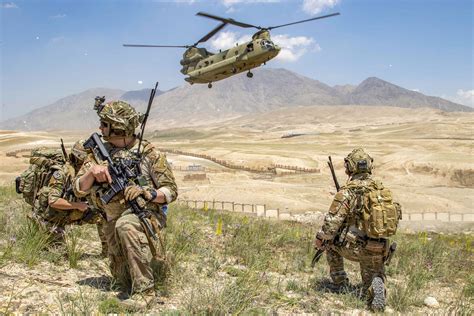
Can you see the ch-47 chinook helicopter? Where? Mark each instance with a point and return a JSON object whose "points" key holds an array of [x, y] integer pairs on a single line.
{"points": [[203, 66]]}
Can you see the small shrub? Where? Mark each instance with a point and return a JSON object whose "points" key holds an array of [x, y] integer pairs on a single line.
{"points": [[32, 241], [74, 248], [111, 306]]}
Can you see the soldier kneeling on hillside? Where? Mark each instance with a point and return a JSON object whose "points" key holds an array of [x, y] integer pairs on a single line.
{"points": [[47, 186], [360, 219]]}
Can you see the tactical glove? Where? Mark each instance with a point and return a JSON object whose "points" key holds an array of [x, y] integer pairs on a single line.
{"points": [[134, 191]]}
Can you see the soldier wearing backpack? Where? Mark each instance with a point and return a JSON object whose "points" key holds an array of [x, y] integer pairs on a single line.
{"points": [[360, 220], [47, 186]]}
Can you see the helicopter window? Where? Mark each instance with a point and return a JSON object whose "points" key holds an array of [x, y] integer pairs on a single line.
{"points": [[250, 47], [266, 44]]}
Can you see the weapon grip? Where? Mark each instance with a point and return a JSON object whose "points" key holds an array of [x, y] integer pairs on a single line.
{"points": [[141, 216], [105, 198]]}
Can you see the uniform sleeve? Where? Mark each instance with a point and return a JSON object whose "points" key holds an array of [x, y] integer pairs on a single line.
{"points": [[338, 211], [88, 163], [56, 186], [162, 176]]}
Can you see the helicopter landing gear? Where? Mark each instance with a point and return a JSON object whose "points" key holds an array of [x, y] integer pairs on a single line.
{"points": [[209, 85], [249, 74]]}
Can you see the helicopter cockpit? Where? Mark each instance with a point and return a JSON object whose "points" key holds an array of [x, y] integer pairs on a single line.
{"points": [[267, 44]]}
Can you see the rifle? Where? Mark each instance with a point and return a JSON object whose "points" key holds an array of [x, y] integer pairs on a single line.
{"points": [[66, 157], [318, 255], [147, 113], [331, 167], [320, 252], [123, 173]]}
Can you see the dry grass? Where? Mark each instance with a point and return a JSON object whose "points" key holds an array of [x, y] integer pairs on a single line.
{"points": [[251, 266]]}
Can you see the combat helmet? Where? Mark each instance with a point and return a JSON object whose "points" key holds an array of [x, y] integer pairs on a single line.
{"points": [[78, 153], [358, 161], [122, 118]]}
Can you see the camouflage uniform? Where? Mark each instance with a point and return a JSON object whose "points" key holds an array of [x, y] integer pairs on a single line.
{"points": [[52, 219], [59, 186], [352, 243], [131, 252], [344, 232]]}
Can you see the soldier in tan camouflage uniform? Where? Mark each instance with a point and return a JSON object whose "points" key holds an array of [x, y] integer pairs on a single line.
{"points": [[131, 251], [343, 234], [54, 209]]}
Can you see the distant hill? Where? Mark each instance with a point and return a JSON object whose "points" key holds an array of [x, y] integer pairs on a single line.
{"points": [[374, 91], [268, 90], [139, 98]]}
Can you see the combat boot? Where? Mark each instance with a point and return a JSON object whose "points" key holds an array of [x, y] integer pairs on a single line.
{"points": [[377, 294]]}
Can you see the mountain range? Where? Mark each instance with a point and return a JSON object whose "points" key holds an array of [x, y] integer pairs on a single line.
{"points": [[268, 90]]}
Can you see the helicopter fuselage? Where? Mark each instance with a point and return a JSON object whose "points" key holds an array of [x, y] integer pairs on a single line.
{"points": [[227, 63]]}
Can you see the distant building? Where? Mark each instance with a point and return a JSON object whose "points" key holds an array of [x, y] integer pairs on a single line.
{"points": [[194, 167]]}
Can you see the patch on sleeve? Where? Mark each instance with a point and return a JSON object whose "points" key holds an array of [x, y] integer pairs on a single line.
{"points": [[337, 203], [161, 162], [57, 175]]}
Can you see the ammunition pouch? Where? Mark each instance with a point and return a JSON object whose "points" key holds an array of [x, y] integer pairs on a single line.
{"points": [[376, 245]]}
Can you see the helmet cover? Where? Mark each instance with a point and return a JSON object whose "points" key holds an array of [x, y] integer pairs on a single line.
{"points": [[358, 161]]}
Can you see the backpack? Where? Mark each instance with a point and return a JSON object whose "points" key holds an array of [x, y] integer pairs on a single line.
{"points": [[379, 214], [43, 163]]}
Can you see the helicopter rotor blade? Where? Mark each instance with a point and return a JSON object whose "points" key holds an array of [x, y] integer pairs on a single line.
{"points": [[225, 20], [316, 18], [138, 45], [211, 33]]}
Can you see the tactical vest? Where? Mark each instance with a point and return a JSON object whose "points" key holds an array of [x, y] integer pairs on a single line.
{"points": [[116, 206]]}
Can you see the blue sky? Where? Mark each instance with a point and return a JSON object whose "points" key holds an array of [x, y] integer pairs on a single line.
{"points": [[50, 49]]}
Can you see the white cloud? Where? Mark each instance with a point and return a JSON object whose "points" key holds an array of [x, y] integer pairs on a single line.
{"points": [[461, 97], [58, 16], [293, 48], [140, 82], [9, 5], [226, 40], [415, 90], [314, 7]]}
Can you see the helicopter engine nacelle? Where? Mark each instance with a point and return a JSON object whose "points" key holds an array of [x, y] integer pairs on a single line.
{"points": [[262, 34]]}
